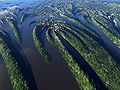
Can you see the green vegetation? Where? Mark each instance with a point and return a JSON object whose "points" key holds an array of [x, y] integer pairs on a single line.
{"points": [[117, 19], [1, 26], [12, 66], [2, 32], [84, 19], [108, 33], [11, 12], [59, 17], [79, 75], [15, 29], [18, 10], [96, 56], [77, 22], [31, 23], [1, 20], [24, 15], [43, 52], [102, 15]]}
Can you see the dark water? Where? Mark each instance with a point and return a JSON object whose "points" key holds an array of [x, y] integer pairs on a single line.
{"points": [[106, 40], [108, 44], [56, 76], [5, 83], [83, 65]]}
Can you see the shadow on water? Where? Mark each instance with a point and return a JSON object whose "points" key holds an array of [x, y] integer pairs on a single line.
{"points": [[104, 41], [113, 24], [108, 29], [24, 15], [56, 76], [50, 34], [66, 78], [18, 31], [24, 67], [107, 44], [5, 83], [93, 77], [64, 32], [77, 38], [40, 34], [50, 77], [100, 42]]}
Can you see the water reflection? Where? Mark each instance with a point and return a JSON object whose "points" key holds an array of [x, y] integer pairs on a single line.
{"points": [[47, 77]]}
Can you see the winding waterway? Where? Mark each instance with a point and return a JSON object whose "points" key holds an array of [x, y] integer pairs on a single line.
{"points": [[106, 40], [56, 76], [44, 76]]}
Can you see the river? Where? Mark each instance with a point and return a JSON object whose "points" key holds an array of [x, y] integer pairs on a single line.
{"points": [[56, 76]]}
